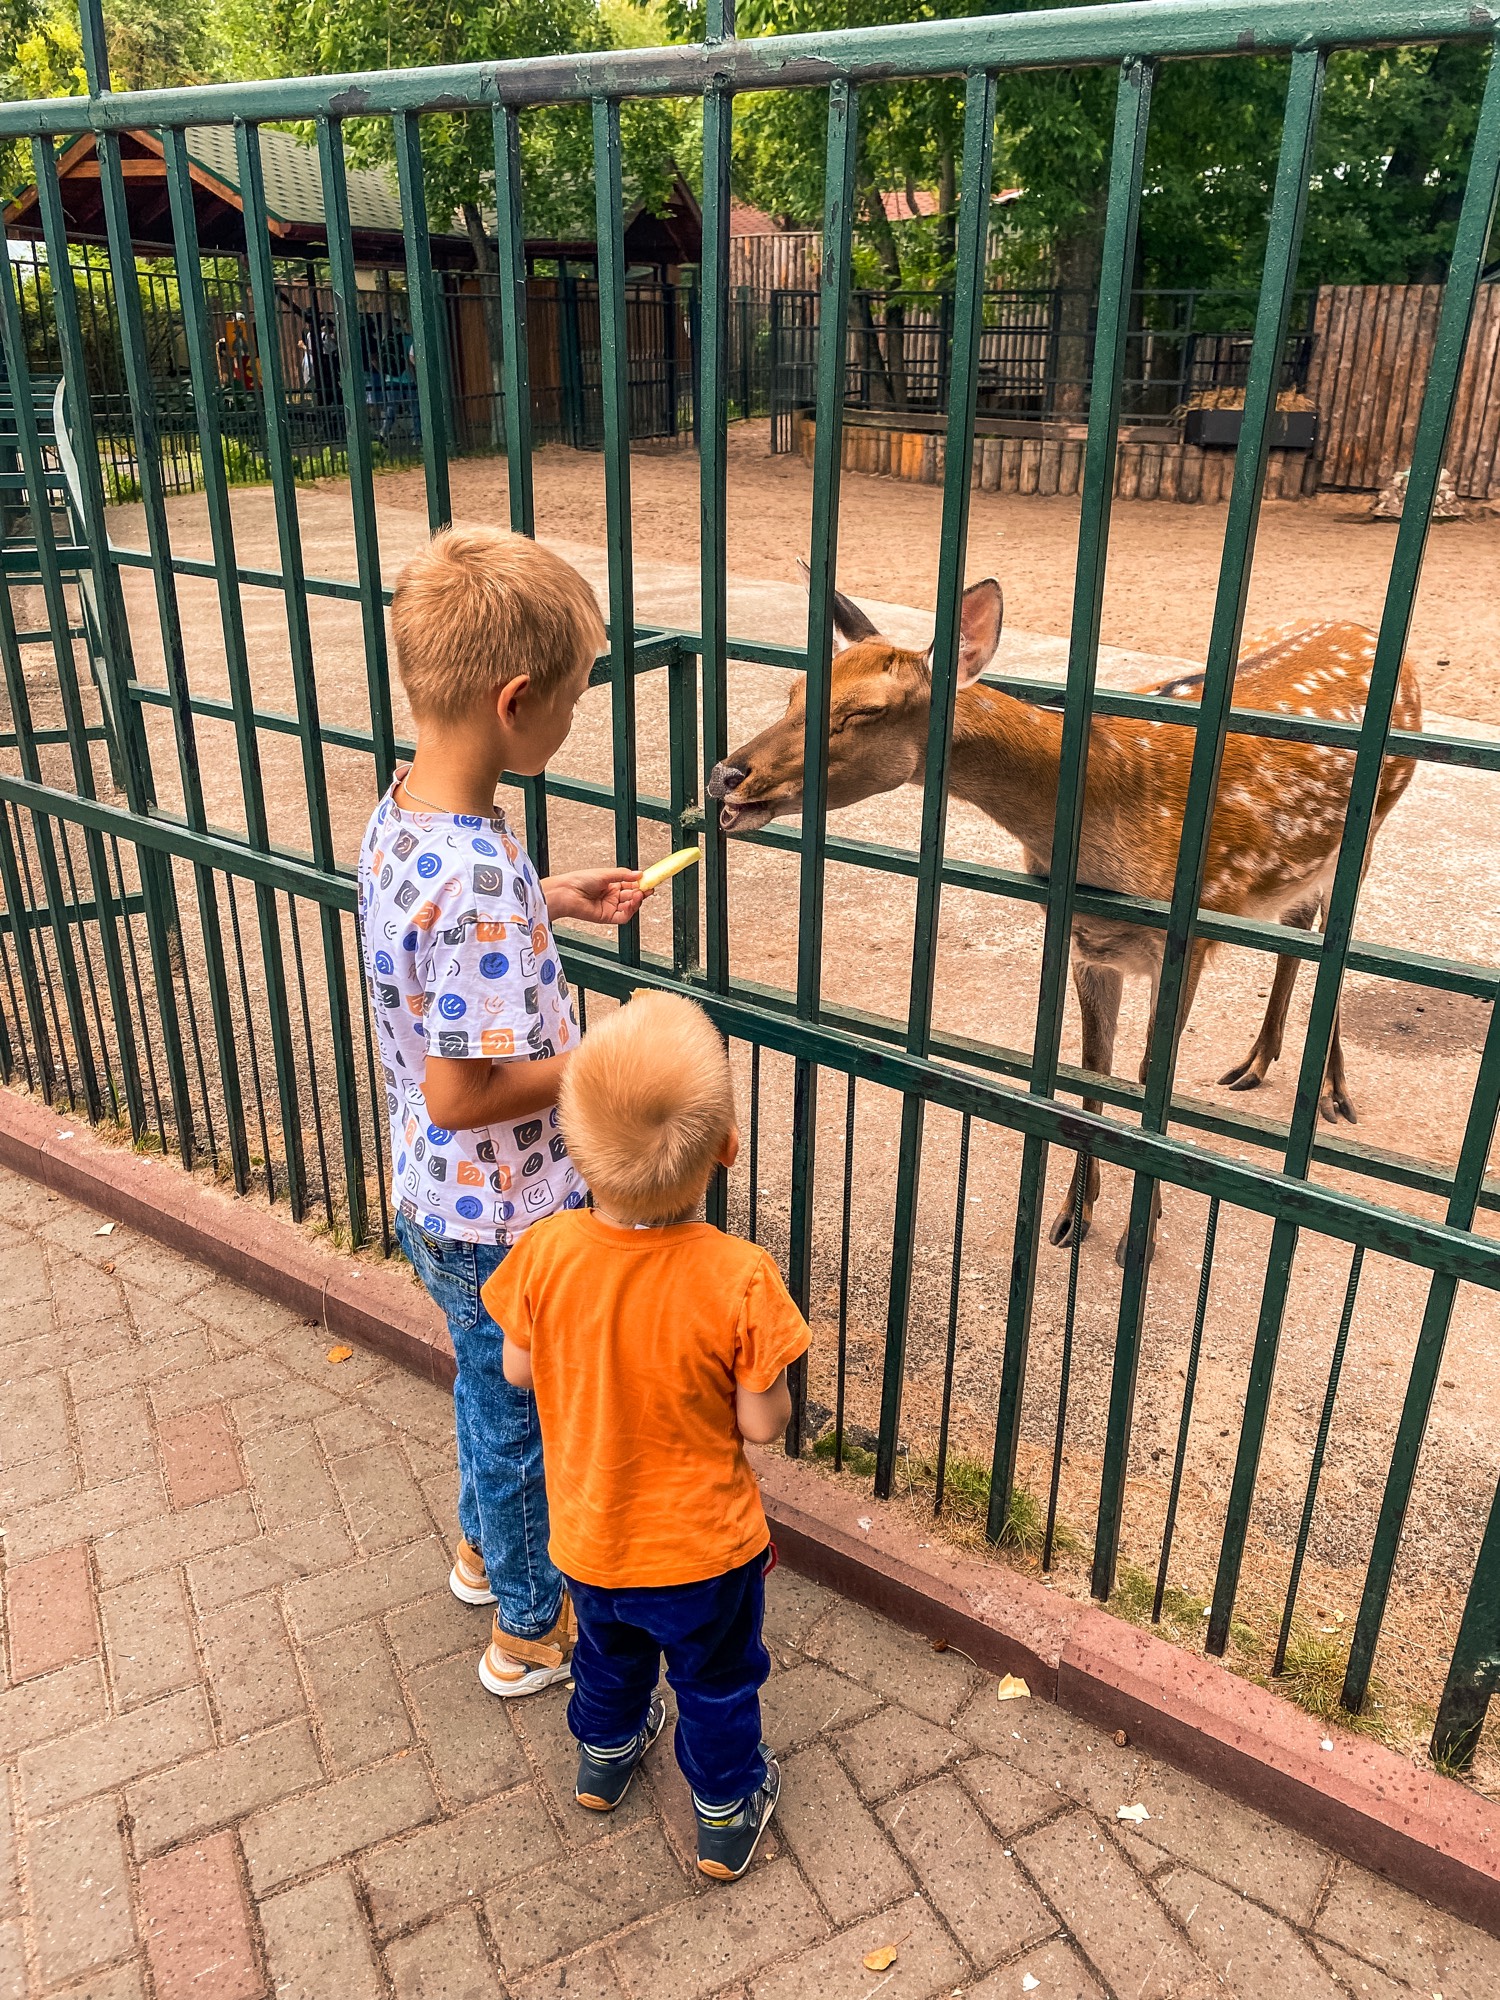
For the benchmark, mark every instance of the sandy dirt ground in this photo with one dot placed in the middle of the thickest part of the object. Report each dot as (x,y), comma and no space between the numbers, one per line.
(1412,1054)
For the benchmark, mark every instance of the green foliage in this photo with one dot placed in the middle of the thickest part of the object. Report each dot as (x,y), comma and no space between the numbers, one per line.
(152,43)
(286,38)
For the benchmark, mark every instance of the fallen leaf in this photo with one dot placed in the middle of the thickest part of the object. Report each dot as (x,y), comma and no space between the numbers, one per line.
(880,1958)
(1029,1982)
(1135,1814)
(940,1645)
(1012,1688)
(337,1354)
(107,1230)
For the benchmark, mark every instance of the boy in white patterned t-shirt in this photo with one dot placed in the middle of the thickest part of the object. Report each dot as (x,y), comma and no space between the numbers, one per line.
(494,637)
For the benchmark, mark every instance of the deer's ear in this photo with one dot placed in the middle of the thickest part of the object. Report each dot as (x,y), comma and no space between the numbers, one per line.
(850,624)
(979,620)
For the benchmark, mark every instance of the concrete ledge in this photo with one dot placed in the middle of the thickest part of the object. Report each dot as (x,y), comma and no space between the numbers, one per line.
(1427,1832)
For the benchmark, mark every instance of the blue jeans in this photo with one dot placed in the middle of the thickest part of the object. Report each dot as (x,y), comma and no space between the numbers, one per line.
(717,1664)
(502,1500)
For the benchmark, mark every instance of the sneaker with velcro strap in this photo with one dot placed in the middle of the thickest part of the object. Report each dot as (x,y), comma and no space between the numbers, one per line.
(604,1775)
(728,1835)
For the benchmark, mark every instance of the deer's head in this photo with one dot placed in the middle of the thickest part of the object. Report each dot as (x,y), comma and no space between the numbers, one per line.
(877,728)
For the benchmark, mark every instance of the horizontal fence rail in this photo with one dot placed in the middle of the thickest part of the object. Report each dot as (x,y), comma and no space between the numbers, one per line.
(179,952)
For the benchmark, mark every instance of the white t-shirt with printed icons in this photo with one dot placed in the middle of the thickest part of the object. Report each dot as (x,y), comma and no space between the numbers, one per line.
(461,962)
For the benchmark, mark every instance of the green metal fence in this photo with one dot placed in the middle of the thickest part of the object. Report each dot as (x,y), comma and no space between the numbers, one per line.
(199,986)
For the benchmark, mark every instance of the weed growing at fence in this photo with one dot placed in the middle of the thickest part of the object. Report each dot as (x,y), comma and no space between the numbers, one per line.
(1313,1677)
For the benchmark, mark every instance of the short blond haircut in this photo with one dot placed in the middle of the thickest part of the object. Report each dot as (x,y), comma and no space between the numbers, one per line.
(646,1106)
(477,608)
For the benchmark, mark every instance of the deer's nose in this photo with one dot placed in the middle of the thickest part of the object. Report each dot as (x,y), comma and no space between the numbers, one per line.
(723,779)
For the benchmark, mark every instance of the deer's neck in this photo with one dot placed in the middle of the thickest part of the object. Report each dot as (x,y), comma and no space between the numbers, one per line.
(1005,759)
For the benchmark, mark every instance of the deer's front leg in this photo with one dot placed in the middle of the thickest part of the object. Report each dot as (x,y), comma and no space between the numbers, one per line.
(1335,1102)
(1264,1050)
(1098,988)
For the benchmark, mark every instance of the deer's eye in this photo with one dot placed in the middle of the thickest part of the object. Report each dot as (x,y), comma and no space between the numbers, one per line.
(852,715)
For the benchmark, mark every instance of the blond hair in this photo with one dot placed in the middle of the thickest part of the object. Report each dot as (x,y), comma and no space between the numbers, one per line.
(646,1105)
(478,608)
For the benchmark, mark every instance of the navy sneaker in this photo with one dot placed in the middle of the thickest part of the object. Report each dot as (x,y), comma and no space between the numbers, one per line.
(729,1835)
(604,1775)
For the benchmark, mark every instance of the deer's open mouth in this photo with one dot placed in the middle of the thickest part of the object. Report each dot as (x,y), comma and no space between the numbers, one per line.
(746,816)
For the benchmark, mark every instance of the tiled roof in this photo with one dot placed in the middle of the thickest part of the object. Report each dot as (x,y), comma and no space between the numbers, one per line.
(294,189)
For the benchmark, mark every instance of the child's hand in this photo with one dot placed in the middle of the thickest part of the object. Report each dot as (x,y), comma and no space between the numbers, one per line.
(595,895)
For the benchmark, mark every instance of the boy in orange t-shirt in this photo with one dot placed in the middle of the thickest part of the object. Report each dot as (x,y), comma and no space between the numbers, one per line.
(657,1347)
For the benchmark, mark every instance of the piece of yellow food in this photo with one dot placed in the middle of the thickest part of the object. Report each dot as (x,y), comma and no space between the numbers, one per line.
(663,871)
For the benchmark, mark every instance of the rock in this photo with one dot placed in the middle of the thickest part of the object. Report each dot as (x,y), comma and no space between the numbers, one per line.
(1446,504)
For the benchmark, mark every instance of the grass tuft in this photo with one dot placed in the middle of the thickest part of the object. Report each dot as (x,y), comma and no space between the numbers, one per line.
(1313,1677)
(966,1499)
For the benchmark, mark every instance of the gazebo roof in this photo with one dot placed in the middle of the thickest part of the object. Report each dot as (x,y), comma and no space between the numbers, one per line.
(294,198)
(294,205)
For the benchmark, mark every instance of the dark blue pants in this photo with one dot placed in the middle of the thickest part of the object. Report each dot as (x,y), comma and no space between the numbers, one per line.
(716,1666)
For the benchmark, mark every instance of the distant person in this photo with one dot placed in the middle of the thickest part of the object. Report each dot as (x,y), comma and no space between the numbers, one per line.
(658,1347)
(494,637)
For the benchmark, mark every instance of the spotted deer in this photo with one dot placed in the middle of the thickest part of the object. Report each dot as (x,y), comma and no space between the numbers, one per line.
(1277,818)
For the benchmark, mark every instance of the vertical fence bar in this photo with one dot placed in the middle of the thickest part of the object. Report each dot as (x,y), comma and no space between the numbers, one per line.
(146,428)
(713,488)
(614,382)
(299,641)
(221,531)
(1181,959)
(335,186)
(315,777)
(1416,1408)
(429,331)
(1320,1452)
(28,440)
(1121,224)
(1474,1672)
(16,900)
(510,237)
(682,742)
(130,756)
(973,238)
(838,206)
(1469,244)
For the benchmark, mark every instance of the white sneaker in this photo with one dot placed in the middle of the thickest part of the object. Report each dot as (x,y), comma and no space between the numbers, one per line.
(467,1579)
(510,1666)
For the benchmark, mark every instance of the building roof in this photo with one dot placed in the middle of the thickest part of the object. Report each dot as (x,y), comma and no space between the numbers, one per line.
(294,185)
(294,198)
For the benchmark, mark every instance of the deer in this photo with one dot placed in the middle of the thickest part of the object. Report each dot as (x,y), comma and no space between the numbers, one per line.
(1273,841)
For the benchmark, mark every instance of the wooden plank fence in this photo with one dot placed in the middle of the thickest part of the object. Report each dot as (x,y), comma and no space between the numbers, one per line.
(1370,363)
(788,261)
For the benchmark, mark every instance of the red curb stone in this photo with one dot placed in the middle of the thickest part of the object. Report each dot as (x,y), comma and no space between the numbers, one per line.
(52,1617)
(197,1924)
(199,1456)
(1425,1831)
(1004,1622)
(1435,1837)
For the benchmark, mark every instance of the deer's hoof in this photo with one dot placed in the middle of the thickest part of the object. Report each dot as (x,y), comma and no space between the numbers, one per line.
(1061,1233)
(1247,1075)
(1122,1249)
(1336,1104)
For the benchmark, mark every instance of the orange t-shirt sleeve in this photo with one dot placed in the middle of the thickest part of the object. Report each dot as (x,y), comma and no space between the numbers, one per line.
(504,1295)
(771,1331)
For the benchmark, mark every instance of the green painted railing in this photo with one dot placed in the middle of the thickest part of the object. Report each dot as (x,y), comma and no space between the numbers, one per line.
(129,988)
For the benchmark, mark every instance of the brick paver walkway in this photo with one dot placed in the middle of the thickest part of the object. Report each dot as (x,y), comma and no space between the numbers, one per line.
(246,1752)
